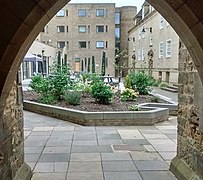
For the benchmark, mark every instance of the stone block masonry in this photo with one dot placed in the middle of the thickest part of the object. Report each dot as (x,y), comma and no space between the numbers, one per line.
(189,159)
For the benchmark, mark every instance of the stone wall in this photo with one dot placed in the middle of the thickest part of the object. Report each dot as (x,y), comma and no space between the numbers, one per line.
(189,161)
(11,137)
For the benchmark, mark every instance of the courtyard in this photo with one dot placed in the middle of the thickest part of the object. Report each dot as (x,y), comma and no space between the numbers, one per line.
(60,150)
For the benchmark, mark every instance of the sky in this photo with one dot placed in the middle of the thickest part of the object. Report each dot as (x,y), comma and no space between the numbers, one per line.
(119,3)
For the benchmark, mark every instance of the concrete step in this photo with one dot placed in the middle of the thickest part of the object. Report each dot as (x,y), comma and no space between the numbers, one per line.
(170,89)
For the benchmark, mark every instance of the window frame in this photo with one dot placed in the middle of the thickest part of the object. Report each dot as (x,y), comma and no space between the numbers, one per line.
(58,14)
(98,14)
(161,49)
(97,28)
(58,29)
(79,44)
(82,26)
(98,46)
(82,15)
(168,48)
(59,46)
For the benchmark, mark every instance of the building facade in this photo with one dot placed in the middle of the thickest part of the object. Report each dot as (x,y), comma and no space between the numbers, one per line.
(154,45)
(87,31)
(38,60)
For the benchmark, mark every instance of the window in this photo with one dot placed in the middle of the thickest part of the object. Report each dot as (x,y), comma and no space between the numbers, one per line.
(106,28)
(67,13)
(66,28)
(117,33)
(139,55)
(88,13)
(117,18)
(99,12)
(100,28)
(100,44)
(161,49)
(151,40)
(60,29)
(60,44)
(61,13)
(161,22)
(82,44)
(106,44)
(81,12)
(143,54)
(168,48)
(88,44)
(82,29)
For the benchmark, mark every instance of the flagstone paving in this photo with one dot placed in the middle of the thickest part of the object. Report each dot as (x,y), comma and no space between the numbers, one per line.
(59,150)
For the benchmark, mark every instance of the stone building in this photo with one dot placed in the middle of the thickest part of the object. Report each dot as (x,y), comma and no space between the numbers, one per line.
(153,45)
(86,31)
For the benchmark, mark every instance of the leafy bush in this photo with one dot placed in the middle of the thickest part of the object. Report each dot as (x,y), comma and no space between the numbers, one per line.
(133,108)
(140,81)
(102,93)
(73,97)
(128,94)
(53,87)
(60,80)
(46,99)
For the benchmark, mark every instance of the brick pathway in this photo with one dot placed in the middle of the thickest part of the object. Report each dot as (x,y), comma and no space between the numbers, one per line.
(58,150)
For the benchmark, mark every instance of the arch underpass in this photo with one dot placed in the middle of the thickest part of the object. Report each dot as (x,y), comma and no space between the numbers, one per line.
(21,21)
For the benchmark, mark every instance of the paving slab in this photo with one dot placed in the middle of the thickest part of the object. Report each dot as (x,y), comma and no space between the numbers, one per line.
(60,150)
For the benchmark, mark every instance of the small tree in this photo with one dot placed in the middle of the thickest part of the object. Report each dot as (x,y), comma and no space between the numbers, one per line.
(103,70)
(88,65)
(93,64)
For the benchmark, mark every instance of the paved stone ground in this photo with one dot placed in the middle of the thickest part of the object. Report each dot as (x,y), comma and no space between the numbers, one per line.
(59,150)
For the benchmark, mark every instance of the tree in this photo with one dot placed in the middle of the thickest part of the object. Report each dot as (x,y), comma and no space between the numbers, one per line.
(103,70)
(88,65)
(121,61)
(93,64)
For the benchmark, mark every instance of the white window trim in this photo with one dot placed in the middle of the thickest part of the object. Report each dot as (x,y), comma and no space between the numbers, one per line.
(161,49)
(168,53)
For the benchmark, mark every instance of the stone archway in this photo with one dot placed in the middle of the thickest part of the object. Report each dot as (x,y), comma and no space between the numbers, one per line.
(21,21)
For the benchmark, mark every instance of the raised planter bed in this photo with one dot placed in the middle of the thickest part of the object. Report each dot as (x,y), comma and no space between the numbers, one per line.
(147,116)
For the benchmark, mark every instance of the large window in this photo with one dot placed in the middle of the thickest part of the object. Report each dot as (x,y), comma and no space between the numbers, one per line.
(61,13)
(161,49)
(82,29)
(100,44)
(100,28)
(161,22)
(61,44)
(100,12)
(117,18)
(168,48)
(82,44)
(81,12)
(61,29)
(117,33)
(143,54)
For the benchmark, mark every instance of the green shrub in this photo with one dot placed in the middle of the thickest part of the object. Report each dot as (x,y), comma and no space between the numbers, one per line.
(127,82)
(128,94)
(46,99)
(101,92)
(133,108)
(163,84)
(141,82)
(73,97)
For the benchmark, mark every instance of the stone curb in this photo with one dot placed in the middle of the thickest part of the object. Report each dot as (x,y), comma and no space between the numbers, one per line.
(149,115)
